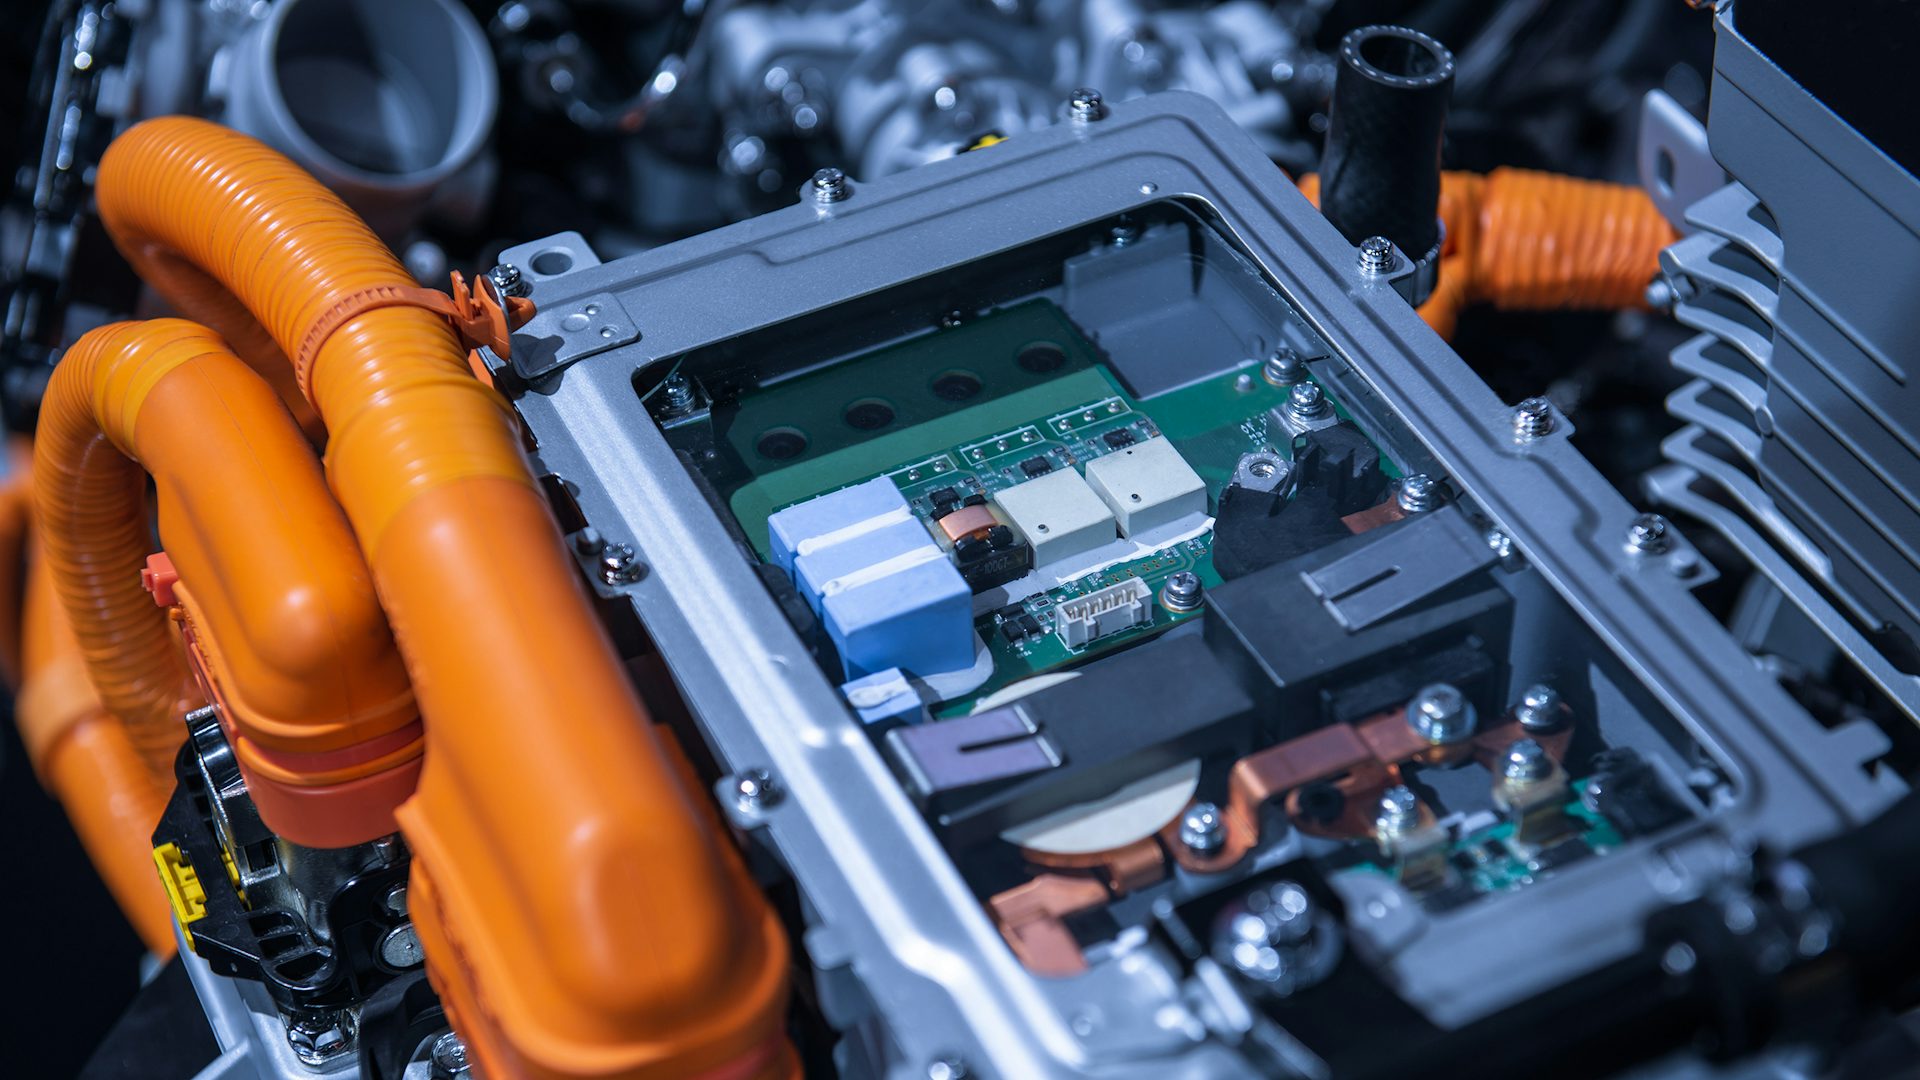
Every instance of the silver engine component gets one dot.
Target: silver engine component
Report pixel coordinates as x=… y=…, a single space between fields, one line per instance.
x=897 y=84
x=387 y=102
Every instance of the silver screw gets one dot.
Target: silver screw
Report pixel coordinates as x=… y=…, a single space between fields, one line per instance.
x=754 y=791
x=1086 y=104
x=1418 y=493
x=316 y=1039
x=1376 y=256
x=1532 y=419
x=508 y=280
x=1203 y=830
x=1182 y=591
x=1503 y=547
x=1541 y=708
x=1648 y=535
x=947 y=1068
x=676 y=395
x=1306 y=402
x=829 y=185
x=450 y=1056
x=1525 y=762
x=1284 y=367
x=396 y=900
x=1441 y=714
x=618 y=566
x=1398 y=812
x=401 y=947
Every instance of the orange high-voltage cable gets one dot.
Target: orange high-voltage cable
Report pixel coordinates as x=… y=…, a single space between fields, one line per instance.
x=83 y=756
x=1537 y=241
x=582 y=914
x=276 y=598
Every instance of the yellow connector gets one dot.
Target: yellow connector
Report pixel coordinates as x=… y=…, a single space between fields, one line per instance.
x=182 y=883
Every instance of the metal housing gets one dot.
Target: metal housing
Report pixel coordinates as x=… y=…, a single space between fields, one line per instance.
x=907 y=961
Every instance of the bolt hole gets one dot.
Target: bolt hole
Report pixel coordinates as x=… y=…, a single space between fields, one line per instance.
x=781 y=443
x=552 y=261
x=956 y=385
x=868 y=414
x=1261 y=469
x=1041 y=528
x=1041 y=358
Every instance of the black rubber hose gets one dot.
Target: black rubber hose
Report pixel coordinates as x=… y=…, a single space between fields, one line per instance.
x=1380 y=175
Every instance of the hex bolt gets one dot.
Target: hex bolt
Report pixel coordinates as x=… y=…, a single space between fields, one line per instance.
x=1502 y=546
x=315 y=1039
x=1203 y=829
x=449 y=1057
x=1417 y=494
x=1441 y=714
x=1532 y=419
x=1306 y=403
x=947 y=1068
x=830 y=185
x=1376 y=256
x=619 y=566
x=754 y=791
x=509 y=281
x=1284 y=368
x=1398 y=813
x=1182 y=592
x=1525 y=762
x=1086 y=105
x=1541 y=708
x=1648 y=535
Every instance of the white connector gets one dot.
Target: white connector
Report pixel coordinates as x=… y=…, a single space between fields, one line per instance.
x=1113 y=609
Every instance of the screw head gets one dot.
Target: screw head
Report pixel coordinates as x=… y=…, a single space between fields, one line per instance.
x=1648 y=535
x=829 y=185
x=1532 y=419
x=450 y=1056
x=1203 y=829
x=396 y=900
x=1306 y=402
x=618 y=566
x=676 y=395
x=1284 y=368
x=1417 y=493
x=1086 y=104
x=754 y=791
x=1398 y=812
x=509 y=281
x=947 y=1068
x=1376 y=256
x=1441 y=714
x=1526 y=761
x=1541 y=708
x=1182 y=592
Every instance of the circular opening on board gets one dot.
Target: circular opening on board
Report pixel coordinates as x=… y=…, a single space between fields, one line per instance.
x=781 y=443
x=1041 y=358
x=551 y=262
x=956 y=385
x=868 y=414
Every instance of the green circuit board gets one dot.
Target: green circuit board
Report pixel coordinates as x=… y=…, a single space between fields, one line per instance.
x=970 y=409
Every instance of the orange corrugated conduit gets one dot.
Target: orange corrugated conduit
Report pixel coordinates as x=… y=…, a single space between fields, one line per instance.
x=83 y=756
x=275 y=595
x=1525 y=240
x=581 y=913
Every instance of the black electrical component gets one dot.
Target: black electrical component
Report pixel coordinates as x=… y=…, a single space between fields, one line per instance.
x=1381 y=172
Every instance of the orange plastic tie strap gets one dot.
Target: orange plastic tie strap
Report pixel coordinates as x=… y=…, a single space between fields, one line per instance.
x=477 y=315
